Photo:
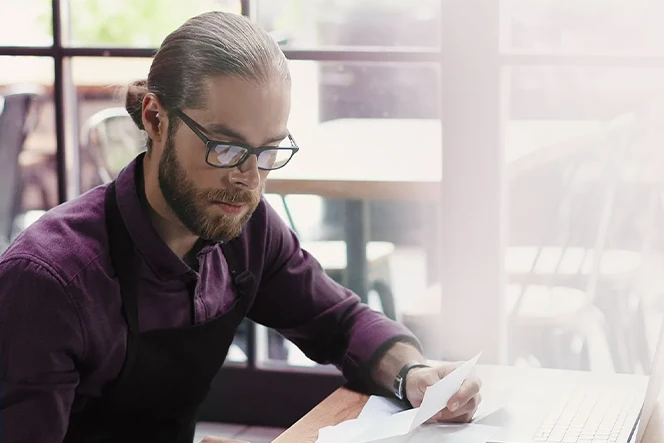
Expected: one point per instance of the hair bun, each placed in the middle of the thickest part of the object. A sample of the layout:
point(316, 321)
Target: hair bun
point(134, 101)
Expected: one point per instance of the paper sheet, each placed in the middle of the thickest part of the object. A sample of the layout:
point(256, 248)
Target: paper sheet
point(386, 422)
point(378, 406)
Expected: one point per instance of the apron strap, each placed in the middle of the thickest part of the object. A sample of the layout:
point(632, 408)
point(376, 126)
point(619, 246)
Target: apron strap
point(123, 258)
point(243, 278)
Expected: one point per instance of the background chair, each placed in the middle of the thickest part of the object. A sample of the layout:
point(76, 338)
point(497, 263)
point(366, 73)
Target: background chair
point(588, 261)
point(19, 115)
point(110, 140)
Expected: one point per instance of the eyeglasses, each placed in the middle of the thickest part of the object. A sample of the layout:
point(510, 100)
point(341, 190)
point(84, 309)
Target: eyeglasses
point(230, 155)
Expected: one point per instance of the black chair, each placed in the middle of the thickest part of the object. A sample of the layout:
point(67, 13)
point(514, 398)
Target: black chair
point(19, 114)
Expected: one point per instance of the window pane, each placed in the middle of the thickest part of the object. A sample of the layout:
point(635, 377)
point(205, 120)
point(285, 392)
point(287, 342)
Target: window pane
point(368, 133)
point(127, 23)
point(315, 23)
point(26, 23)
point(27, 125)
point(584, 26)
point(585, 216)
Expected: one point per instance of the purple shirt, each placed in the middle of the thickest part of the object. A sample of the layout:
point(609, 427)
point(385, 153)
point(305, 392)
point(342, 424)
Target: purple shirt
point(62, 333)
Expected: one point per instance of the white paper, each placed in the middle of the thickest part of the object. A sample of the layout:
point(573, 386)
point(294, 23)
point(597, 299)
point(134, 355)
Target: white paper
point(384, 421)
point(348, 432)
point(468, 433)
point(378, 406)
point(492, 402)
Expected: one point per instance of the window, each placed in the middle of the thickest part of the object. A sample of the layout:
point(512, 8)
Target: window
point(584, 213)
point(27, 23)
point(29, 174)
point(129, 24)
point(354, 23)
point(583, 26)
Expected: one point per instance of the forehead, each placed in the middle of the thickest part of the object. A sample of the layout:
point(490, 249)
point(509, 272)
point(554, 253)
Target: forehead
point(255, 109)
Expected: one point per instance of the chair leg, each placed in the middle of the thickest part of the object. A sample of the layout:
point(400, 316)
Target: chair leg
point(291, 221)
point(386, 298)
point(277, 347)
point(640, 338)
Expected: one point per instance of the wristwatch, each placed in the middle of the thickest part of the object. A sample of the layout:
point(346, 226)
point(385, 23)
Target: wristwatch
point(400, 381)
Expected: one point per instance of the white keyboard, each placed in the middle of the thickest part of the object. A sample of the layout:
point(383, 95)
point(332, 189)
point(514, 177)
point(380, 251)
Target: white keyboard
point(590, 417)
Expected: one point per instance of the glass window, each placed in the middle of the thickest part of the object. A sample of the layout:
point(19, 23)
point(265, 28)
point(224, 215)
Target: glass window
point(26, 23)
point(27, 147)
point(369, 135)
point(126, 23)
point(108, 138)
point(584, 26)
point(327, 23)
point(585, 215)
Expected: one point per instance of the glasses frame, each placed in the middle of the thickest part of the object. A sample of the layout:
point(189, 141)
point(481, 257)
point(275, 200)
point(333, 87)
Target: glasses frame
point(250, 150)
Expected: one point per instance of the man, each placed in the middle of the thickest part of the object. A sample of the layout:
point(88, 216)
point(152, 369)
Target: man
point(118, 308)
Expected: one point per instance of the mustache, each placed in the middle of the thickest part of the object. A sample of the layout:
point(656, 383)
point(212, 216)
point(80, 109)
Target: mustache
point(231, 196)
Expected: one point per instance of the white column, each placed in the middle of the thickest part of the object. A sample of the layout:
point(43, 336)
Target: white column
point(473, 201)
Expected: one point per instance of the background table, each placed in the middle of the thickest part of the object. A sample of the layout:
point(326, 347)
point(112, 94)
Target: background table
point(401, 160)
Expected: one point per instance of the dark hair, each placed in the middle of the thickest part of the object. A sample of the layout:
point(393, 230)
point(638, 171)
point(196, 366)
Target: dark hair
point(208, 45)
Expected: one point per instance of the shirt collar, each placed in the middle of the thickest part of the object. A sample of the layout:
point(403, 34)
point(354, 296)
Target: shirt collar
point(156, 253)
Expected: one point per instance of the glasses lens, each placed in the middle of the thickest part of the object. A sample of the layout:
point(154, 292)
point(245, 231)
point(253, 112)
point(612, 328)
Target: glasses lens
point(274, 158)
point(226, 155)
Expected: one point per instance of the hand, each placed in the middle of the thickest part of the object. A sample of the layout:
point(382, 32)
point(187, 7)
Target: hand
point(463, 404)
point(210, 439)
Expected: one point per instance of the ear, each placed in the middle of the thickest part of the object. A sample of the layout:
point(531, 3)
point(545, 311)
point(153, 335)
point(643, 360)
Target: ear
point(155, 120)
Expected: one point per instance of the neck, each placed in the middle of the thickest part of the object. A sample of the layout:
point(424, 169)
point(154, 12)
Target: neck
point(167, 225)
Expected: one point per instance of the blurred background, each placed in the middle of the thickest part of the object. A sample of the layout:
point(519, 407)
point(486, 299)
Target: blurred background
point(486, 172)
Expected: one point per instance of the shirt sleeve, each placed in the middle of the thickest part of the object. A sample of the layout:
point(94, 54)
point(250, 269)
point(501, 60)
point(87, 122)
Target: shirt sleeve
point(324, 319)
point(40, 340)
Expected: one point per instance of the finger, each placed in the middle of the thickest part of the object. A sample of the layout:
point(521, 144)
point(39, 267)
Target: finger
point(426, 379)
point(444, 370)
point(445, 416)
point(462, 415)
point(469, 389)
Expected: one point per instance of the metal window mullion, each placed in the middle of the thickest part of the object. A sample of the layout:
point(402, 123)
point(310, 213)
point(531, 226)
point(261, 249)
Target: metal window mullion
point(245, 8)
point(396, 55)
point(59, 101)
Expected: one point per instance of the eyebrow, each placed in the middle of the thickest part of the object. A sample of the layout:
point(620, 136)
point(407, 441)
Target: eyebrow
point(225, 130)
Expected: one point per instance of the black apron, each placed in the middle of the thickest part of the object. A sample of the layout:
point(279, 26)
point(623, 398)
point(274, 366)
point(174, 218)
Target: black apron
point(167, 372)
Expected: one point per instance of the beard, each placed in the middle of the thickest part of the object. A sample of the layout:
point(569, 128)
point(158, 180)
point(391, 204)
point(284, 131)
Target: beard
point(194, 206)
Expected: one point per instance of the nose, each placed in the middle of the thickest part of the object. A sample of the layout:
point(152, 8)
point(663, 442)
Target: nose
point(246, 175)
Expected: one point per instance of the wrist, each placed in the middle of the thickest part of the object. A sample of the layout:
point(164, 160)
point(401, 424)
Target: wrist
point(388, 366)
point(401, 380)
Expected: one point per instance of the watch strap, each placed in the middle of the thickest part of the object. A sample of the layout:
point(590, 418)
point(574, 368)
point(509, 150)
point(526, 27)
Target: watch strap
point(400, 381)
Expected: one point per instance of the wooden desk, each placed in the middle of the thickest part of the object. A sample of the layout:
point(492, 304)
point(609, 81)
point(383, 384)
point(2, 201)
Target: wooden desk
point(344, 404)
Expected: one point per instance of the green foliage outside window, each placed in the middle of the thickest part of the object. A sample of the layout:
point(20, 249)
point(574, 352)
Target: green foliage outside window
point(130, 23)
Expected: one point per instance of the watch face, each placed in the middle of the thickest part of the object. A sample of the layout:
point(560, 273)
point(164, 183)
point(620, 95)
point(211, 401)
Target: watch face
point(398, 388)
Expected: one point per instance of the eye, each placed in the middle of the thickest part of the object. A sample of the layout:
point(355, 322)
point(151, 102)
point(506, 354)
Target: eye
point(226, 155)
